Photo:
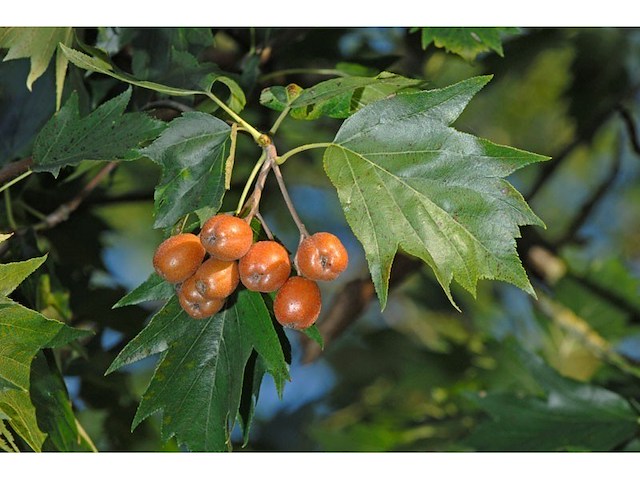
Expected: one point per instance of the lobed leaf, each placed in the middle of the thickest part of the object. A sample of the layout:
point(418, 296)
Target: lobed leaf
point(105, 134)
point(198, 77)
point(198, 383)
point(571, 415)
point(21, 414)
point(465, 41)
point(192, 152)
point(38, 44)
point(24, 332)
point(407, 180)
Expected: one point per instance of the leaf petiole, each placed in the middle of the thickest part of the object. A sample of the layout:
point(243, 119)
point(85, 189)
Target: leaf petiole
point(16, 180)
point(279, 120)
point(283, 158)
point(248, 127)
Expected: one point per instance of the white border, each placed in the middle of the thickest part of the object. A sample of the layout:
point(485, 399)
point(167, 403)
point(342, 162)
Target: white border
point(315, 13)
point(320, 466)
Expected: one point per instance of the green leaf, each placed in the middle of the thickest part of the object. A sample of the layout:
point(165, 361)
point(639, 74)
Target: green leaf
point(23, 112)
point(192, 152)
point(338, 97)
point(17, 405)
point(105, 134)
point(407, 180)
point(199, 378)
point(253, 375)
point(38, 44)
point(466, 42)
point(314, 334)
point(278, 97)
point(12, 274)
point(199, 77)
point(153, 288)
point(96, 64)
point(24, 333)
point(53, 409)
point(6, 439)
point(571, 415)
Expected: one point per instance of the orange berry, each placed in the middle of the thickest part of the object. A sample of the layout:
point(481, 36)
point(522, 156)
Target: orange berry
point(226, 237)
point(178, 257)
point(321, 257)
point(265, 267)
point(194, 303)
point(217, 278)
point(297, 303)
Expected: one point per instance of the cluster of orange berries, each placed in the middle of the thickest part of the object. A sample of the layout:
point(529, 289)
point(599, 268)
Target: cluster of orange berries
point(203, 285)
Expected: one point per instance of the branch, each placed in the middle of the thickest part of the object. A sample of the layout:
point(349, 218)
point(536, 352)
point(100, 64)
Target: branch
point(62, 213)
point(592, 202)
point(631, 128)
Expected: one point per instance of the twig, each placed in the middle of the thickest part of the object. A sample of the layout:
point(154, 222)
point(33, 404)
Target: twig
point(350, 302)
point(14, 169)
point(62, 213)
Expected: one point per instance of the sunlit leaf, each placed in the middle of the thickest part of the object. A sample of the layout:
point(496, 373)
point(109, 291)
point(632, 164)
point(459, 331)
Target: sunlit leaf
point(337, 97)
point(407, 180)
point(466, 41)
point(39, 45)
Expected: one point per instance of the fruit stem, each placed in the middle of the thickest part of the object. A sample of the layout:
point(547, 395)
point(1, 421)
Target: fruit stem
point(270, 155)
point(283, 158)
point(266, 229)
point(183, 224)
point(252, 176)
point(287, 199)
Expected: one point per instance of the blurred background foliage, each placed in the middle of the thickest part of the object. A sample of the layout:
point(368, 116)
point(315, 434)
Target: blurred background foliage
point(508, 373)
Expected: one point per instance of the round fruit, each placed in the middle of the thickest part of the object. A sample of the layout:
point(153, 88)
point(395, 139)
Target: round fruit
point(321, 257)
point(297, 303)
point(226, 237)
point(178, 257)
point(265, 267)
point(217, 278)
point(194, 303)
